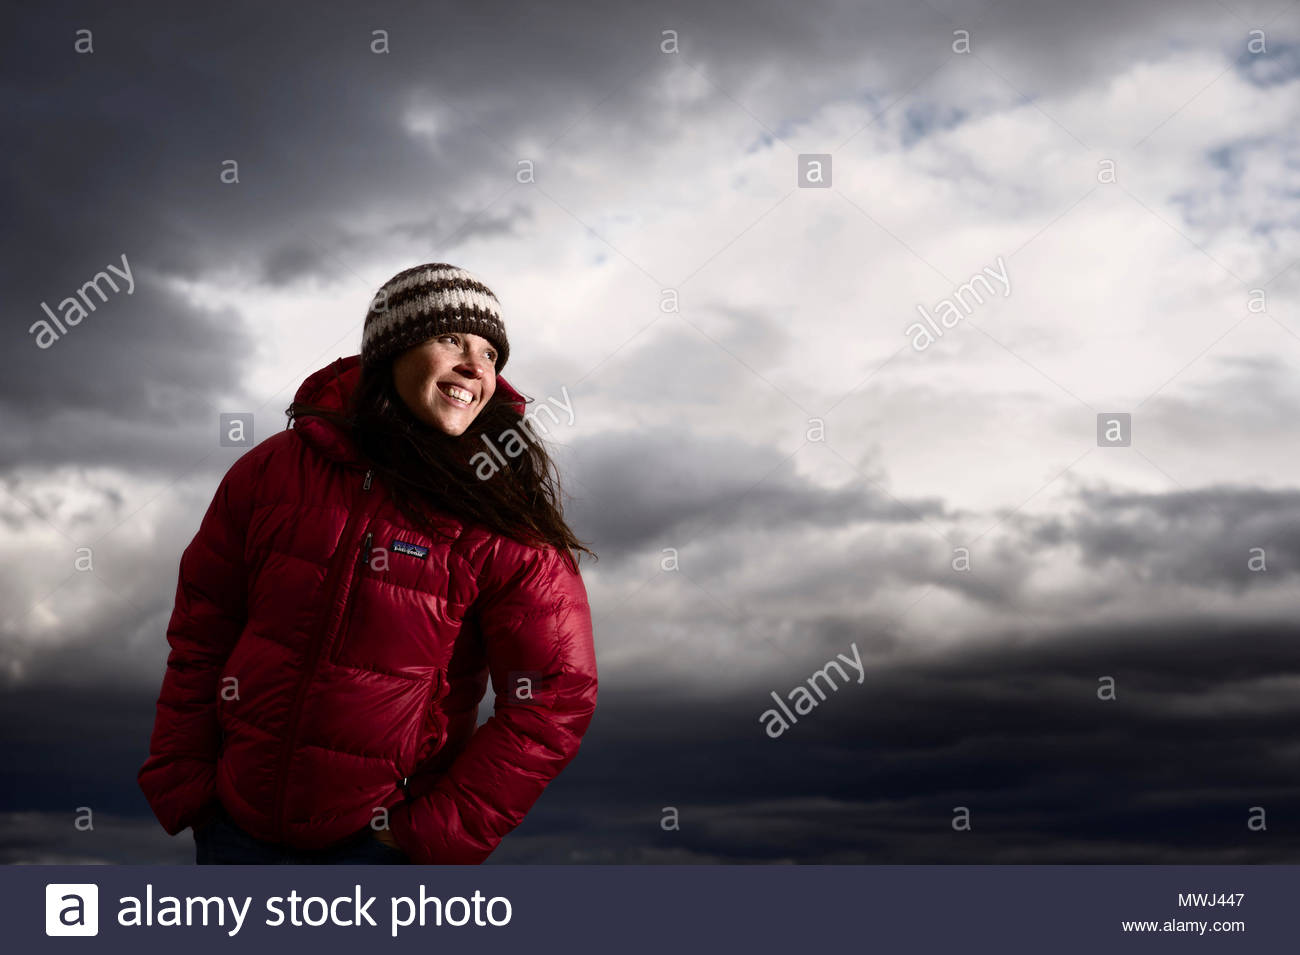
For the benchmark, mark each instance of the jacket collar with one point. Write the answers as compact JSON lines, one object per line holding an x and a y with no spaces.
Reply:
{"x":330,"y":387}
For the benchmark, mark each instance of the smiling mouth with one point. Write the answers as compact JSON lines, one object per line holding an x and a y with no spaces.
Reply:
{"x":458,"y":396}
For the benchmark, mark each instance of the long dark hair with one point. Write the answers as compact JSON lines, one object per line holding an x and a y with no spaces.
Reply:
{"x":430,"y":471}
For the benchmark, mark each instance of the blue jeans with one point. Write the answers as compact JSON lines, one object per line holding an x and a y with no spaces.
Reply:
{"x":221,"y":842}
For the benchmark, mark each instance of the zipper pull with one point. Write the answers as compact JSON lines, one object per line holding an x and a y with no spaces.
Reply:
{"x":364,"y":556}
{"x":369,"y":475}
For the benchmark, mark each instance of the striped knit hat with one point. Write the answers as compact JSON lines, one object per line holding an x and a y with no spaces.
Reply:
{"x":419,"y":303}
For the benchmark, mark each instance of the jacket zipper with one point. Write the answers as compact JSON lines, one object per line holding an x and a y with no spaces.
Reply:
{"x":309,"y":669}
{"x":363,"y":557}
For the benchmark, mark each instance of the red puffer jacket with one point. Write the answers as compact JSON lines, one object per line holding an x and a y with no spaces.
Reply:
{"x":327,"y":659}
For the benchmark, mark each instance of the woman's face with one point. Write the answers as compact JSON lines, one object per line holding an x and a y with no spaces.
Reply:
{"x":458,"y":363}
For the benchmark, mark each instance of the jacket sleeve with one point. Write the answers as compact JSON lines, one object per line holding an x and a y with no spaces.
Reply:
{"x":537,"y":636}
{"x":179,"y":777}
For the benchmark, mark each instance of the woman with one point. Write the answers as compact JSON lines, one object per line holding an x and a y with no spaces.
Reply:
{"x":352,"y":585}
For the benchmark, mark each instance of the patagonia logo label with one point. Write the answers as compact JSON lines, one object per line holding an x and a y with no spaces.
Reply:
{"x":415,"y":550}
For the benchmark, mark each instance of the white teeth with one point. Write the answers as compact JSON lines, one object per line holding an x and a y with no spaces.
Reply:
{"x":459,"y":394}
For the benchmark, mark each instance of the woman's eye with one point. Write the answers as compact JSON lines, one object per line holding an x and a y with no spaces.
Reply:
{"x":491,"y":354}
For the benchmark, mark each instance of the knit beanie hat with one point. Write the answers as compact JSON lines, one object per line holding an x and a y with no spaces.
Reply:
{"x":427,"y":300}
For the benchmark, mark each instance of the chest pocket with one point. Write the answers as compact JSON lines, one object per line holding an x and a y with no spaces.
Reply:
{"x":398,"y":614}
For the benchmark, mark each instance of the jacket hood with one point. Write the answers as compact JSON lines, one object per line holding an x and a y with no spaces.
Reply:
{"x":330,"y":387}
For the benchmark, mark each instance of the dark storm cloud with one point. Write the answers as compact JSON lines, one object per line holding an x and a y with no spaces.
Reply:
{"x":1199,"y":732}
{"x":1051,"y":773}
{"x":120,"y":151}
{"x":700,"y":486}
{"x":135,"y":385}
{"x":1220,"y":538}
{"x":1205,"y":537}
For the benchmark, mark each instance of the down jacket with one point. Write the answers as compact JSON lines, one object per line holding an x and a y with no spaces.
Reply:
{"x":328,"y":659}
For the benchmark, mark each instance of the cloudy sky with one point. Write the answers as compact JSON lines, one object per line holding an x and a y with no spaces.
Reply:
{"x":750,"y":390}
